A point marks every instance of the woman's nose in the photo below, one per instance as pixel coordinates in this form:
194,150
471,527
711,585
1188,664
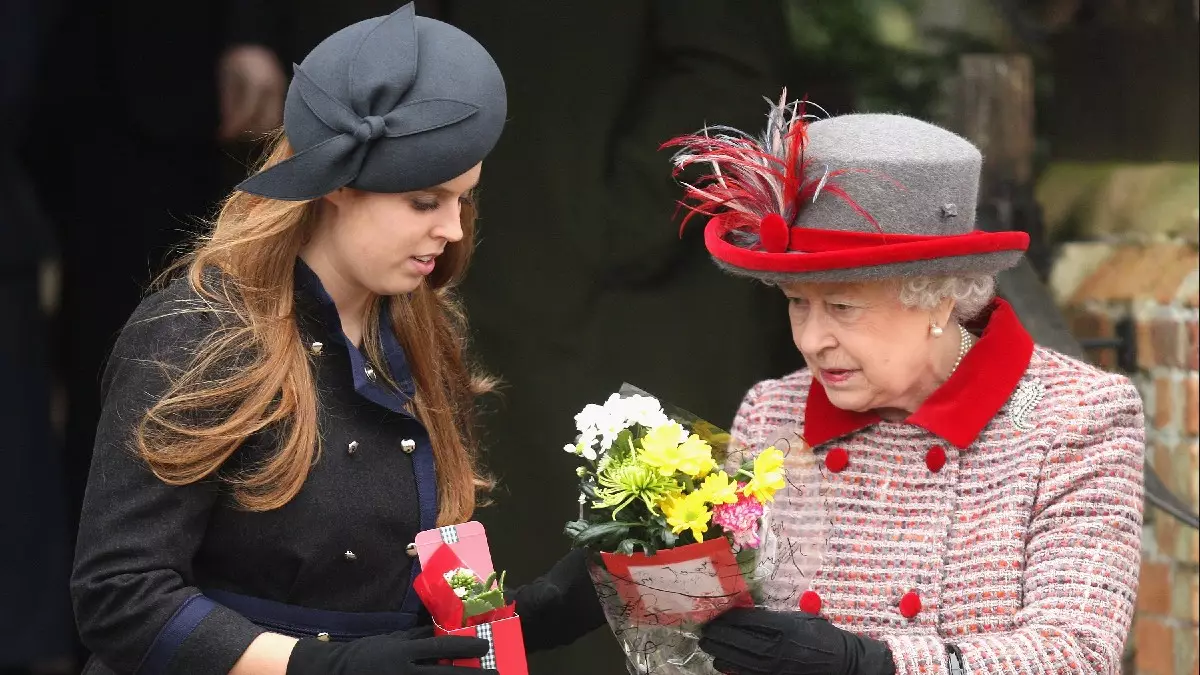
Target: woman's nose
813,336
450,228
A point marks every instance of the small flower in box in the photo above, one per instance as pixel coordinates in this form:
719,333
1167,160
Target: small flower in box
463,602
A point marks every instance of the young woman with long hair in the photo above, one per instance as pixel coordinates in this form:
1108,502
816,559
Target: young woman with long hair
295,403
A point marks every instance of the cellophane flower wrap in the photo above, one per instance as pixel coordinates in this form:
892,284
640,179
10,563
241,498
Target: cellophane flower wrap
686,523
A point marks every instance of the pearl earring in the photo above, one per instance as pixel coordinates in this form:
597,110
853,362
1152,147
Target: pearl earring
936,330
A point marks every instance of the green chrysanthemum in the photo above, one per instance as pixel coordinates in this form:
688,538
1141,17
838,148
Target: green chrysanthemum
623,481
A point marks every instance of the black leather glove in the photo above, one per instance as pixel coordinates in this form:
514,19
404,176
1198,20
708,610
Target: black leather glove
560,606
413,652
761,642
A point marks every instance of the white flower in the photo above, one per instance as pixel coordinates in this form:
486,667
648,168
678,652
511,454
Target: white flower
603,464
460,581
602,424
571,448
582,499
644,410
591,418
608,435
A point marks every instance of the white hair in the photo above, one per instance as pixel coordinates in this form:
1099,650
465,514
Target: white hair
970,293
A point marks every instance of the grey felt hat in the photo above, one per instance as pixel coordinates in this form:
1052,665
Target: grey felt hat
389,104
845,198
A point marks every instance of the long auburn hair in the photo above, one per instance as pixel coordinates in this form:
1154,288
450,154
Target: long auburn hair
252,374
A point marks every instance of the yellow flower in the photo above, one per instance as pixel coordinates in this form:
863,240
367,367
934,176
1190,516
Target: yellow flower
719,488
662,438
687,512
662,450
768,476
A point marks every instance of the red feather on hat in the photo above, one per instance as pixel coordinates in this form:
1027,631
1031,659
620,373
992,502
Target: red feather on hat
753,178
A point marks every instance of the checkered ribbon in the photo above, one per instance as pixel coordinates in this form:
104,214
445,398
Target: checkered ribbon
449,534
484,632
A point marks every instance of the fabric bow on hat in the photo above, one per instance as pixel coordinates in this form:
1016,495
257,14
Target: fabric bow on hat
377,81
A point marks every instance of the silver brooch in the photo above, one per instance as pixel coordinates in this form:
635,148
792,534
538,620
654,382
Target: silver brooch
1028,394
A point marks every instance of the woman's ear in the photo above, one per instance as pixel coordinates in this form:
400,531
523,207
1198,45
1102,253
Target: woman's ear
940,315
337,198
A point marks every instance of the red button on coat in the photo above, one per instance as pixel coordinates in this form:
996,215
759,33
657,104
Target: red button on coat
837,459
935,459
910,605
810,602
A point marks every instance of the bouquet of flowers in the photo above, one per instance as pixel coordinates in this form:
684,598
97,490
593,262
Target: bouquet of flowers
681,523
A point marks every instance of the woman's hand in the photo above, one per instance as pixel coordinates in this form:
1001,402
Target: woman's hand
763,642
414,652
560,606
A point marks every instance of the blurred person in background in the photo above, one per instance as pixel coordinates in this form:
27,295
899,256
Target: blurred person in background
143,96
35,619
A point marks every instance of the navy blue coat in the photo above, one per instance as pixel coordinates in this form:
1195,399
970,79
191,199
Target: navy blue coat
181,580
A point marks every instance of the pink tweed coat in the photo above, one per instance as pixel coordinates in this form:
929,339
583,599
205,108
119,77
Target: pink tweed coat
1004,516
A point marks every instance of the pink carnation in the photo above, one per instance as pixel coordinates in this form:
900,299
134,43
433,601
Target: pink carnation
740,519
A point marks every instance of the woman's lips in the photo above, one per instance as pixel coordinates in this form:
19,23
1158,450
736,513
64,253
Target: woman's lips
836,376
424,264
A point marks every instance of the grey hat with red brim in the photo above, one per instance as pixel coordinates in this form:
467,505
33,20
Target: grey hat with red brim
848,198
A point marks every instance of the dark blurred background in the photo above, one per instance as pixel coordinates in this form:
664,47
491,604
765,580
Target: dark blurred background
123,122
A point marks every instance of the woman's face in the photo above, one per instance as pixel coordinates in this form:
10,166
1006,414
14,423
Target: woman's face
865,347
387,243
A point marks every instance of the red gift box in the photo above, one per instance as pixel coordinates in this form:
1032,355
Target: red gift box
507,653
452,547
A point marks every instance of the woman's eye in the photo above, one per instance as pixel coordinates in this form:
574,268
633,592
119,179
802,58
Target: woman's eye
425,204
840,308
798,302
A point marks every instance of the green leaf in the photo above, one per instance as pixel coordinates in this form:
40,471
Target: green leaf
669,538
623,439
574,528
595,535
626,547
483,602
589,490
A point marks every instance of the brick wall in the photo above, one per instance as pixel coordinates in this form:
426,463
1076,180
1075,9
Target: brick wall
1154,286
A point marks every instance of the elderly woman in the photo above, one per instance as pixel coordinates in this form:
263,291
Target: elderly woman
984,493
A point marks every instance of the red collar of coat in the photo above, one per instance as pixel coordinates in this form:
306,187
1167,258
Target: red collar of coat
957,411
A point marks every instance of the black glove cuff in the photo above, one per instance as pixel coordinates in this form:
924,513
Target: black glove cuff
310,657
876,659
